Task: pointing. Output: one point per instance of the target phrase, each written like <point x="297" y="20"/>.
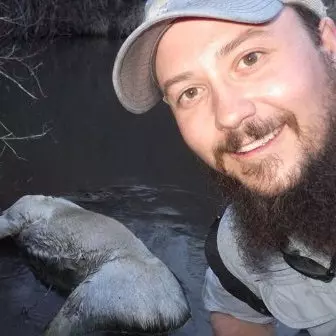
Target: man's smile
<point x="260" y="144"/>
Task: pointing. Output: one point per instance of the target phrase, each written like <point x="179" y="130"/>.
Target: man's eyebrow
<point x="226" y="49"/>
<point x="242" y="37"/>
<point x="179" y="78"/>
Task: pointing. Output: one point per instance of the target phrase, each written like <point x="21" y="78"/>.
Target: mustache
<point x="254" y="130"/>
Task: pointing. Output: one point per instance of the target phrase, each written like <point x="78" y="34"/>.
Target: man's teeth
<point x="258" y="143"/>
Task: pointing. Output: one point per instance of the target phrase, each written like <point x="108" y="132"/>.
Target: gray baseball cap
<point x="132" y="73"/>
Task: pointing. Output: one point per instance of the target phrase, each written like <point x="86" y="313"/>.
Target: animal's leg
<point x="125" y="295"/>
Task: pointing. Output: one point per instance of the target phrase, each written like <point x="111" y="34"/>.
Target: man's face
<point x="249" y="100"/>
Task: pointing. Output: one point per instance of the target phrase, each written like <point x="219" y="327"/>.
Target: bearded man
<point x="251" y="85"/>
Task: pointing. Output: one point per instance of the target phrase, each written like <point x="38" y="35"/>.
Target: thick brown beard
<point x="306" y="211"/>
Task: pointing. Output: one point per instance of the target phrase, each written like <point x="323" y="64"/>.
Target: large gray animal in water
<point x="115" y="282"/>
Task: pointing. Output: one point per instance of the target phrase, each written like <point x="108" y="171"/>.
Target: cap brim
<point x="132" y="77"/>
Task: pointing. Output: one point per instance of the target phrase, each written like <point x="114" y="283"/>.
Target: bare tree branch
<point x="11" y="136"/>
<point x="17" y="83"/>
<point x="11" y="56"/>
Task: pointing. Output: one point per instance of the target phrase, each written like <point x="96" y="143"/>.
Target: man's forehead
<point x="225" y="39"/>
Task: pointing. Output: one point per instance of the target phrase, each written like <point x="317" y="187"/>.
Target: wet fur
<point x="114" y="282"/>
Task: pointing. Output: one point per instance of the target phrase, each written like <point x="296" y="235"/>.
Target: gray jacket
<point x="293" y="299"/>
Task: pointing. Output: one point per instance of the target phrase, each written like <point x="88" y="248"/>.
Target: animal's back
<point x="71" y="242"/>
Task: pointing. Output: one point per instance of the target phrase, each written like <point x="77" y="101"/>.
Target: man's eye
<point x="190" y="97"/>
<point x="249" y="59"/>
<point x="190" y="93"/>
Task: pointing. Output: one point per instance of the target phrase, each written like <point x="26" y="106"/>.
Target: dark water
<point x="134" y="168"/>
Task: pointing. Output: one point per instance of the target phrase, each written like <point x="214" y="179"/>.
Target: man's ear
<point x="327" y="29"/>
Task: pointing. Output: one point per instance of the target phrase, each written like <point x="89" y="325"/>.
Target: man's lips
<point x="258" y="144"/>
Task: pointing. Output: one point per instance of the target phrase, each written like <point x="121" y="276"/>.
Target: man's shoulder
<point x="227" y="221"/>
<point x="226" y="238"/>
<point x="230" y="252"/>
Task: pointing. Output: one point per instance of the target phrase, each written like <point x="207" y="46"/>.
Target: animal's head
<point x="30" y="208"/>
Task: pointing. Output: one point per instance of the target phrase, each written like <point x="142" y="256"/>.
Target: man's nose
<point x="231" y="108"/>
